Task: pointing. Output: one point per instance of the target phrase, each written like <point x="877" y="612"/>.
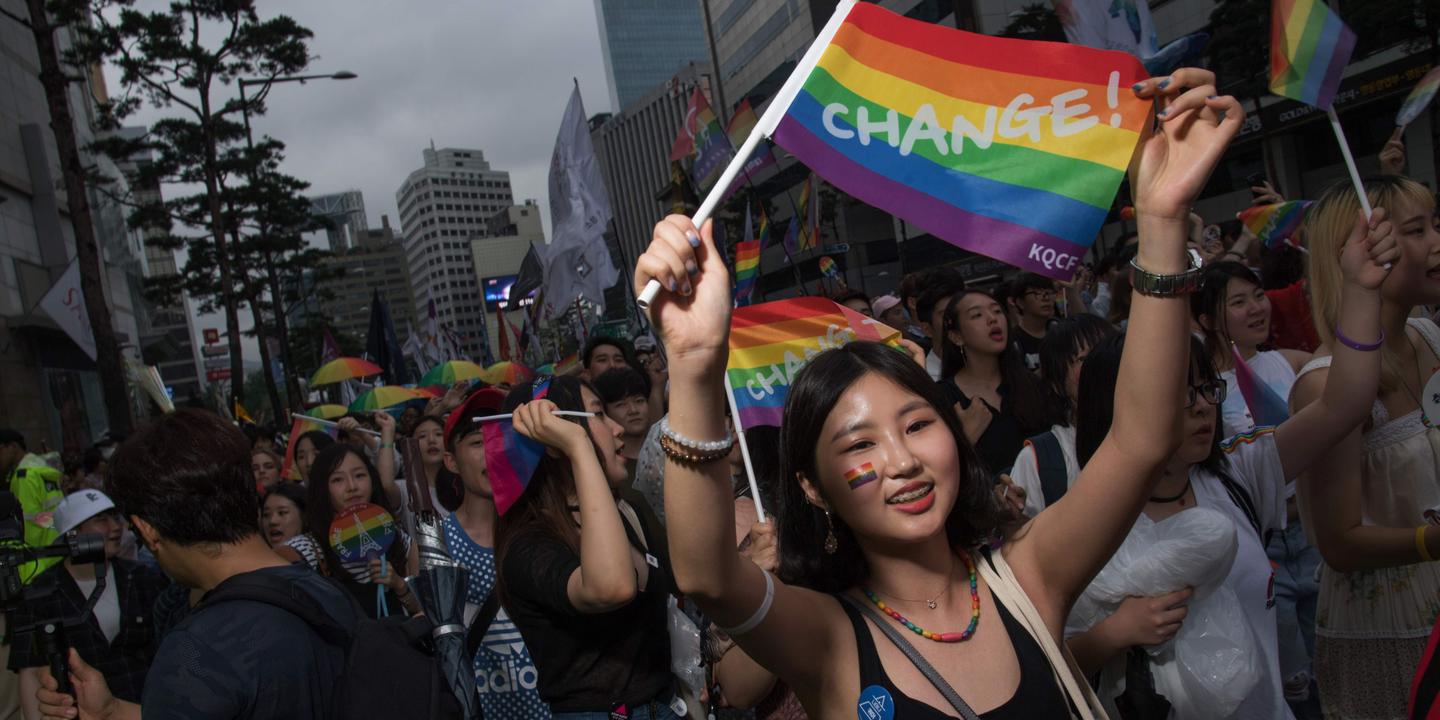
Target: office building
<point x="497" y="258"/>
<point x="376" y="262"/>
<point x="443" y="205"/>
<point x="633" y="147"/>
<point x="49" y="389"/>
<point x="644" y="42"/>
<point x="346" y="213"/>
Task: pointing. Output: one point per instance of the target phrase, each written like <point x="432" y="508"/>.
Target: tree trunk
<point x="87" y="251"/>
<point x="222" y="252"/>
<point x="277" y="409"/>
<point x="282" y="334"/>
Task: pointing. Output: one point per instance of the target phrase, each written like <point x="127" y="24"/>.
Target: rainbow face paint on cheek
<point x="863" y="475"/>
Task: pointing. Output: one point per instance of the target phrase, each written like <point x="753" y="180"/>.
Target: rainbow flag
<point x="510" y="462"/>
<point x="1009" y="148"/>
<point x="770" y="342"/>
<point x="702" y="137"/>
<point x="568" y="365"/>
<point x="1419" y="98"/>
<point x="742" y="123"/>
<point x="863" y="475"/>
<point x="795" y="240"/>
<point x="764" y="235"/>
<point x="1274" y="224"/>
<point x="1309" y="49"/>
<point x="1266" y="407"/>
<point x="747" y="270"/>
<point x="829" y="270"/>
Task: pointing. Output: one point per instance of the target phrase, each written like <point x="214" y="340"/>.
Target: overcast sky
<point x="488" y="74"/>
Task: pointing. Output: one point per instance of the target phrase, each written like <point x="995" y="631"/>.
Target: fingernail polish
<point x="690" y="267"/>
<point x="1211" y="97"/>
<point x="673" y="285"/>
<point x="1164" y="83"/>
<point x="693" y="238"/>
<point x="1137" y="87"/>
<point x="1163" y="113"/>
<point x="686" y="290"/>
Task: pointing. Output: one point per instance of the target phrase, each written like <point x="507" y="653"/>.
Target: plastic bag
<point x="685" y="650"/>
<point x="1208" y="668"/>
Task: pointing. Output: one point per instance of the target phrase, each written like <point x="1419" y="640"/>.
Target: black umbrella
<point x="441" y="585"/>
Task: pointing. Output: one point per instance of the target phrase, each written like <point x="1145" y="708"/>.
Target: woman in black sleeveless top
<point x="884" y="506"/>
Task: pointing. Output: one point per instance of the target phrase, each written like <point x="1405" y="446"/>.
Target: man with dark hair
<point x="930" y="314"/>
<point x="1032" y="300"/>
<point x="184" y="483"/>
<point x="505" y="674"/>
<point x="626" y="394"/>
<point x="603" y="353"/>
<point x="38" y="488"/>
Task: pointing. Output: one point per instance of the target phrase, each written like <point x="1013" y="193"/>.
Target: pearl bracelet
<point x="704" y="446"/>
<point x="692" y="452"/>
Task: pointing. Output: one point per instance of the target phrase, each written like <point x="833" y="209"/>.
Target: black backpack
<point x="409" y="683"/>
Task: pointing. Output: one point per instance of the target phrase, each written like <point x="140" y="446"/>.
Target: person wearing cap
<point x="889" y="310"/>
<point x="505" y="674"/>
<point x="37" y="486"/>
<point x="117" y="637"/>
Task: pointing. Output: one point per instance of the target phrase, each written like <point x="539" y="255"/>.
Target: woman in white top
<point x="1243" y="478"/>
<point x="1232" y="309"/>
<point x="1363" y="499"/>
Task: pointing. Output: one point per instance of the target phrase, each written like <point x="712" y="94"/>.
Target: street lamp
<point x="292" y="391"/>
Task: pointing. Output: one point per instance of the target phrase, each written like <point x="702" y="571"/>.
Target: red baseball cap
<point x="485" y="401"/>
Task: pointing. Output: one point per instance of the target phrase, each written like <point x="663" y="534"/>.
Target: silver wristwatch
<point x="1154" y="285"/>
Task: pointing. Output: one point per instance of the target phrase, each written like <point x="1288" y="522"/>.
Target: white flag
<point x="65" y="304"/>
<point x="576" y="262"/>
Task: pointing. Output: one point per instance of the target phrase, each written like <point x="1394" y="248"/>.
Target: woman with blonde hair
<point x="1363" y="500"/>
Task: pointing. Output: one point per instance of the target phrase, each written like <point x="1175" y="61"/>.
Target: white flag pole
<point x="744" y="450"/>
<point x="779" y="105"/>
<point x="1349" y="161"/>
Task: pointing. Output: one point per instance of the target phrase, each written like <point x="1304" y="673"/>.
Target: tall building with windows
<point x="346" y="213"/>
<point x="443" y="205"/>
<point x="645" y="42"/>
<point x="375" y="261"/>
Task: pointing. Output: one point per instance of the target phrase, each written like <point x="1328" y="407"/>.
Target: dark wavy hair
<point x="544" y="506"/>
<point x="814" y="393"/>
<point x="1024" y="397"/>
<point x="1060" y="347"/>
<point x="319" y="512"/>
<point x="1095" y="408"/>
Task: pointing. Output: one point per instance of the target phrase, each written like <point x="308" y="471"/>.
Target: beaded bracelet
<point x="1359" y="346"/>
<point x="689" y="456"/>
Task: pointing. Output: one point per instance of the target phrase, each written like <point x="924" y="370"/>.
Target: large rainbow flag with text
<point x="1010" y="148"/>
<point x="770" y="342"/>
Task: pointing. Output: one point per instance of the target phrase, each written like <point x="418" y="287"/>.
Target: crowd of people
<point x="1060" y="500"/>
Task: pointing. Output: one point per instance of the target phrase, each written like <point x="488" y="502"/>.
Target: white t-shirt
<point x="1254" y="464"/>
<point x="107" y="609"/>
<point x="933" y="365"/>
<point x="1026" y="471"/>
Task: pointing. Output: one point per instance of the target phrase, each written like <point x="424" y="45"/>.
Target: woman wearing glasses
<point x="1243" y="477"/>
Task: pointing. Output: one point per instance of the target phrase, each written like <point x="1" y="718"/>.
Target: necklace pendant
<point x="932" y="604"/>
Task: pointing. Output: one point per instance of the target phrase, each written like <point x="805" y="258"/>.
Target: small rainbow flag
<point x="1309" y="49"/>
<point x="863" y="475"/>
<point x="828" y="268"/>
<point x="702" y="137"/>
<point x="1266" y="408"/>
<point x="1419" y="98"/>
<point x="764" y="235"/>
<point x="770" y="342"/>
<point x="742" y="123"/>
<point x="568" y="365"/>
<point x="795" y="239"/>
<point x="1010" y="148"/>
<point x="1274" y="224"/>
<point x="747" y="270"/>
<point x="510" y="462"/>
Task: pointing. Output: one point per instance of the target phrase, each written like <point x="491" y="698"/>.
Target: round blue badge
<point x="875" y="704"/>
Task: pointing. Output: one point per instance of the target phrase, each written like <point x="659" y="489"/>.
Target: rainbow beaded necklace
<point x="928" y="635"/>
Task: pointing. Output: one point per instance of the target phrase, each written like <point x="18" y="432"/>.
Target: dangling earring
<point x="963" y="357"/>
<point x="831" y="543"/>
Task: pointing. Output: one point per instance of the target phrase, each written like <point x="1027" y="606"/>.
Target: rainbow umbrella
<point x="327" y="412"/>
<point x="449" y="373"/>
<point x="507" y="373"/>
<point x="430" y="391"/>
<point x="546" y="369"/>
<point x="345" y="368"/>
<point x="385" y="396"/>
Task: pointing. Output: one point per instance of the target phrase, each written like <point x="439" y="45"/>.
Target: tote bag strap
<point x="1006" y="588"/>
<point x="915" y="657"/>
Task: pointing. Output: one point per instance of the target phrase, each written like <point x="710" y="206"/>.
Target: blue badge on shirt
<point x="875" y="704"/>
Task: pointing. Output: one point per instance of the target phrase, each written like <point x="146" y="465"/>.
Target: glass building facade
<point x="645" y="42"/>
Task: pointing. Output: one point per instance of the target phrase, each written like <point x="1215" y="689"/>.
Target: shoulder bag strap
<point x="1006" y="588"/>
<point x="1050" y="466"/>
<point x="919" y="660"/>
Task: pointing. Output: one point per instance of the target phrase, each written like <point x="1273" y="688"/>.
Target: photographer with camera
<point x="184" y="483"/>
<point x="117" y="635"/>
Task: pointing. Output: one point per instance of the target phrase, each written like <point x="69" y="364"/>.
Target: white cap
<point x="77" y="507"/>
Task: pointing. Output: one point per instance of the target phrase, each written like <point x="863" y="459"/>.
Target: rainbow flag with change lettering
<point x="770" y="342"/>
<point x="1010" y="148"/>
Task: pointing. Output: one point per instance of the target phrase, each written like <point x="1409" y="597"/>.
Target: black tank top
<point x="1037" y="696"/>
